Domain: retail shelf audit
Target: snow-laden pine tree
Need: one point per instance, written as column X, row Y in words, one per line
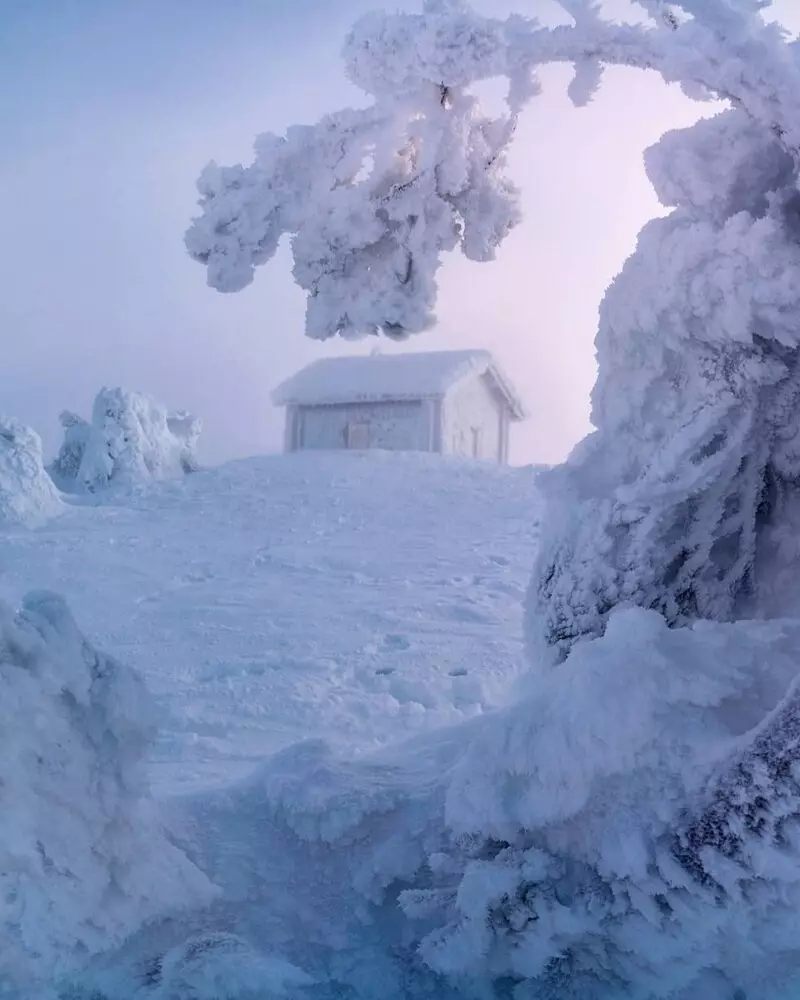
column 27, row 494
column 131, row 439
column 668, row 503
column 628, row 828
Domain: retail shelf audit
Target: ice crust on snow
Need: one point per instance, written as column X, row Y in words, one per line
column 131, row 439
column 27, row 494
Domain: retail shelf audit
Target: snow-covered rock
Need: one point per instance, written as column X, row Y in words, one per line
column 83, row 860
column 27, row 494
column 131, row 439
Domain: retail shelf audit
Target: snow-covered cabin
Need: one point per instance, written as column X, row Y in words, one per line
column 451, row 402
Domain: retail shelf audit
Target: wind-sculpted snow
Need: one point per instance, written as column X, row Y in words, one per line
column 624, row 830
column 27, row 494
column 623, row 826
column 131, row 439
column 83, row 860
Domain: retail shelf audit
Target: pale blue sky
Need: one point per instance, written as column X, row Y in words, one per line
column 108, row 110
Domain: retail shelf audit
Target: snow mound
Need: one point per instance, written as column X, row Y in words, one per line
column 27, row 494
column 131, row 439
column 415, row 598
column 82, row 860
column 221, row 965
column 625, row 829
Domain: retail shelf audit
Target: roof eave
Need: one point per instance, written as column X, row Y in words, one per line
column 417, row 397
column 515, row 407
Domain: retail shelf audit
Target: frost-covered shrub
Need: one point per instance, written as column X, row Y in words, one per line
column 27, row 494
column 131, row 439
column 83, row 860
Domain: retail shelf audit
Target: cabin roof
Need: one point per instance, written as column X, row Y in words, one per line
column 392, row 377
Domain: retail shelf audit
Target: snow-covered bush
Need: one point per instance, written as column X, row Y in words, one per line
column 83, row 861
column 131, row 439
column 27, row 494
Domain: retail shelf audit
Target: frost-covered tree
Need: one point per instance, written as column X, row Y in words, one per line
column 131, row 439
column 27, row 494
column 605, row 866
column 695, row 451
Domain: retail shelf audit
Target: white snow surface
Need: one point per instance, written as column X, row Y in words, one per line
column 27, row 494
column 376, row 377
column 386, row 805
column 360, row 598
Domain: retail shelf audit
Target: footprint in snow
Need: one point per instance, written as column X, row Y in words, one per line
column 499, row 560
column 396, row 642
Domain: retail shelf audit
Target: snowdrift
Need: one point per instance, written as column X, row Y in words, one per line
column 83, row 860
column 131, row 439
column 27, row 494
column 626, row 829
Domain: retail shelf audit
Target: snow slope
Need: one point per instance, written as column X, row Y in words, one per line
column 313, row 625
column 358, row 598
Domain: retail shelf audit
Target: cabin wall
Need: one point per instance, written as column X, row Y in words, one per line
column 394, row 426
column 472, row 421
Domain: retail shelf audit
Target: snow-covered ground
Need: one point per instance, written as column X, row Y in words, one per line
column 358, row 598
column 327, row 637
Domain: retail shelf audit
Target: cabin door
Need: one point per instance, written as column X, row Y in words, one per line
column 358, row 436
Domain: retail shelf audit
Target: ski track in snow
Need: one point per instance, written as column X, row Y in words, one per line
column 357, row 598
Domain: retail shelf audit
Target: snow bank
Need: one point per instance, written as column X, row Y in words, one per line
column 82, row 860
column 27, row 494
column 625, row 829
column 131, row 439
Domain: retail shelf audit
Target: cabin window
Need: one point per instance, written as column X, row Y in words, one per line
column 358, row 435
